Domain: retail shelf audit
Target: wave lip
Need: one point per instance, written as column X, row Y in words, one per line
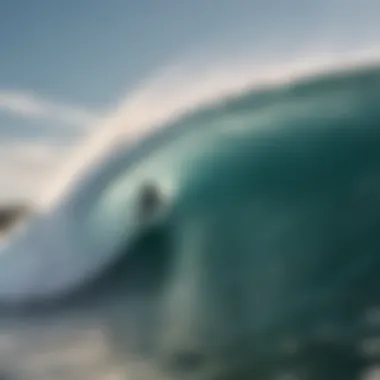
column 180, row 89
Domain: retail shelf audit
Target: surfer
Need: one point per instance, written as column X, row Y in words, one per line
column 150, row 202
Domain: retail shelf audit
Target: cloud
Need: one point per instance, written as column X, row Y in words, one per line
column 25, row 162
column 25, row 167
column 29, row 105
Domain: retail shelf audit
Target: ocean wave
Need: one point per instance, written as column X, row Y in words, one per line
column 337, row 112
column 309, row 152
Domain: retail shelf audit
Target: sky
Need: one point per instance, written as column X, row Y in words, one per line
column 69, row 68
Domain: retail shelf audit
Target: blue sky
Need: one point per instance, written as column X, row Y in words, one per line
column 65, row 64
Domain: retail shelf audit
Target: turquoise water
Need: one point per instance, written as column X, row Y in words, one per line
column 269, row 240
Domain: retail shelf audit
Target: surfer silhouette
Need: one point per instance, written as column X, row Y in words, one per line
column 150, row 202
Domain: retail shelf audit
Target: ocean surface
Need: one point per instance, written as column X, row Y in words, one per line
column 306, row 154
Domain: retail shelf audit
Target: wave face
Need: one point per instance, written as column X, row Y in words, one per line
column 274, row 243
